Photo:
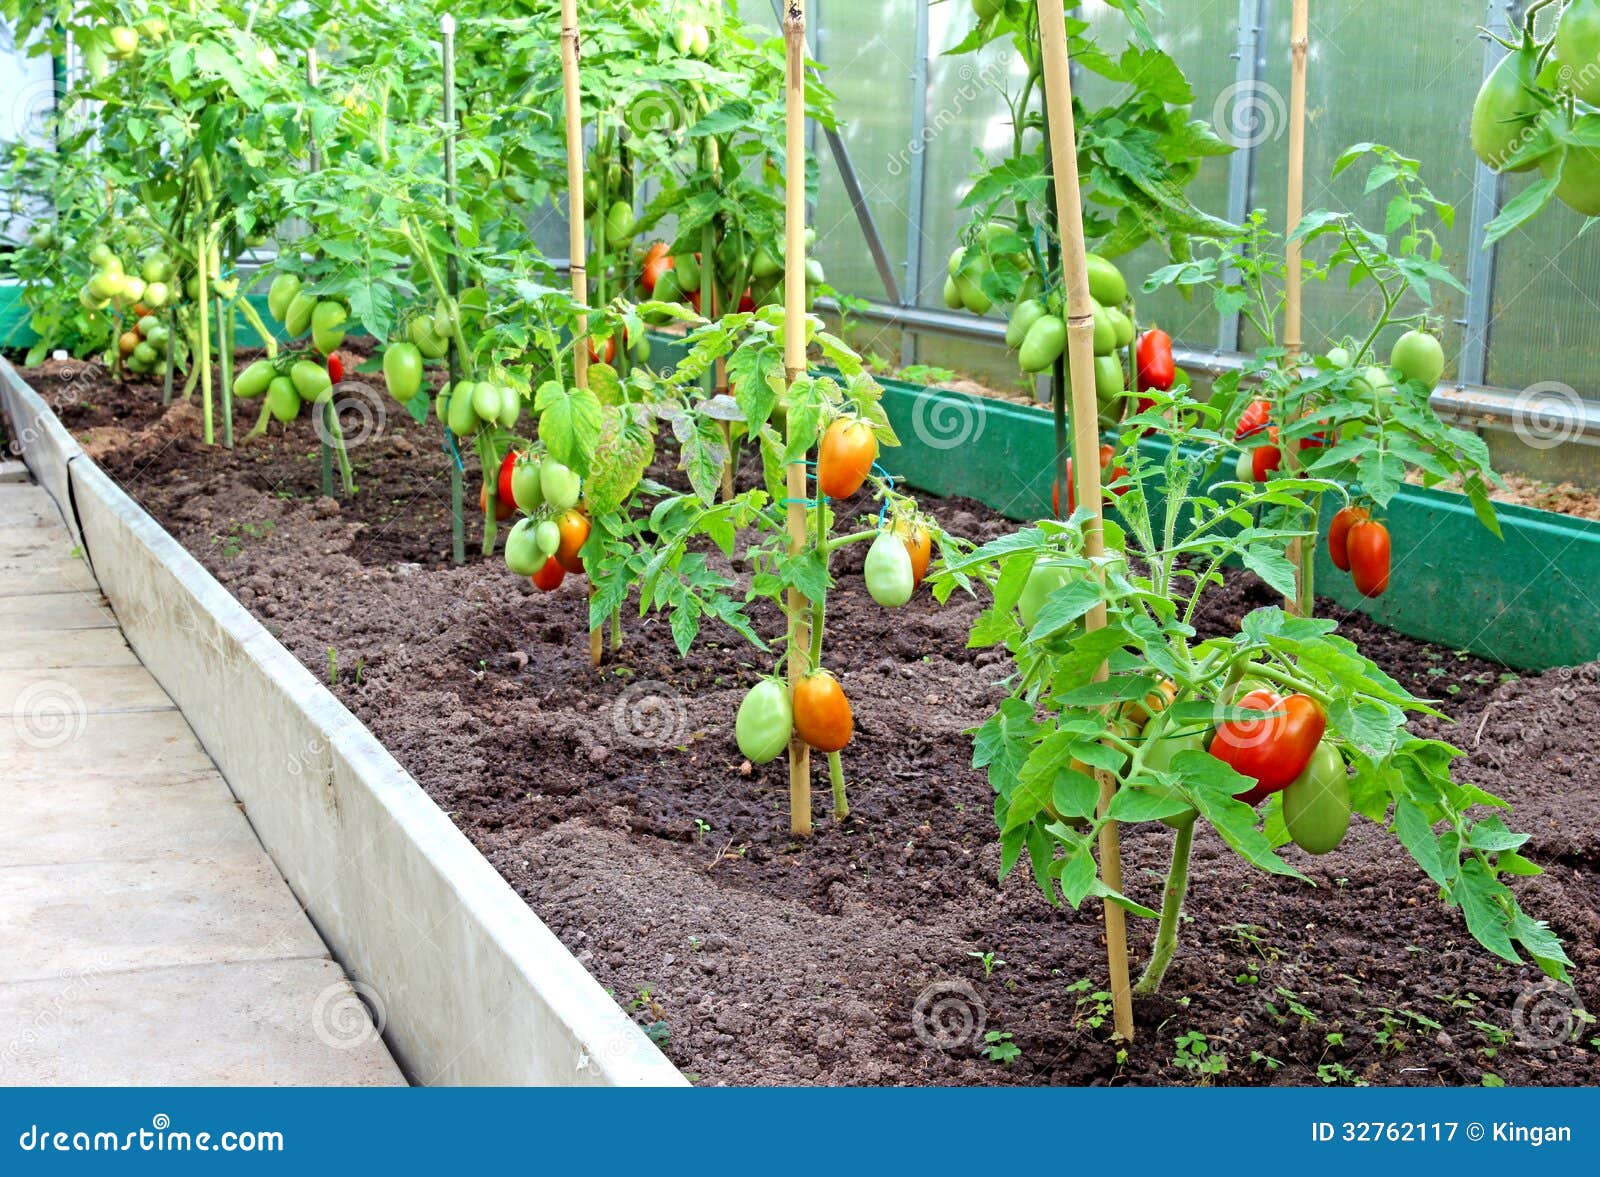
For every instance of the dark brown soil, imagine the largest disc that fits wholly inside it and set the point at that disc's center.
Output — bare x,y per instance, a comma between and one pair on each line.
616,803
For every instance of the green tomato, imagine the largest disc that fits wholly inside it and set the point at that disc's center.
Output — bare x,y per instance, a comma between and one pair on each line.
523,555
255,379
297,318
1505,113
311,381
1374,380
510,407
764,265
460,416
1244,467
526,490
486,400
1579,187
88,300
952,295
1578,49
547,537
132,288
1339,357
1043,344
1106,283
815,275
688,271
972,296
559,484
157,336
1108,379
1025,315
619,223
145,354
1105,331
1316,804
283,400
327,326
702,41
668,288
984,9
1121,326
281,293
157,295
765,723
1418,356
124,42
420,332
147,324
100,255
402,371
105,284
889,576
1158,758
156,268
1044,578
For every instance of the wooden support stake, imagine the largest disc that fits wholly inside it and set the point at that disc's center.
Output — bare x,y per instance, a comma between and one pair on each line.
452,282
1299,552
1085,432
794,365
570,54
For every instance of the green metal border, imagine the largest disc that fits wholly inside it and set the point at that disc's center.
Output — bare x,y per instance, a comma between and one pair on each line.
1530,601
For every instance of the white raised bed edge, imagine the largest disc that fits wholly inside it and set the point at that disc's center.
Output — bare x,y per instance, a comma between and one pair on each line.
471,987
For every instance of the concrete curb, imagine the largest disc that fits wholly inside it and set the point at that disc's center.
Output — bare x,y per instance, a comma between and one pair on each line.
470,986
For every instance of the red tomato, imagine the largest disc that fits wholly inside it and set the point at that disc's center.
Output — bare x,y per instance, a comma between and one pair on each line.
1254,419
611,351
550,576
747,302
1154,356
335,367
1339,534
694,300
657,261
574,525
1368,550
845,458
1264,460
1107,476
502,486
1271,751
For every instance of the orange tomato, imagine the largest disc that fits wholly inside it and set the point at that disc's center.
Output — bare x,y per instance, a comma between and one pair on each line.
574,525
844,460
919,546
822,713
611,351
657,261
549,577
127,341
502,507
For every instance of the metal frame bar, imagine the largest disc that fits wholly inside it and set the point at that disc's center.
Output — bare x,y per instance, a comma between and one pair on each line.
1249,62
1487,192
911,293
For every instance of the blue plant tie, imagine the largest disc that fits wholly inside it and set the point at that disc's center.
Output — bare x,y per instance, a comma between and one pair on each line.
806,503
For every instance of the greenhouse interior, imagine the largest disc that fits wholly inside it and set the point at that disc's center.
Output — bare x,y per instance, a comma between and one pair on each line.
773,544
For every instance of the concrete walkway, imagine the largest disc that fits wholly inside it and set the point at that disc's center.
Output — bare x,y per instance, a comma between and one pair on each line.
145,936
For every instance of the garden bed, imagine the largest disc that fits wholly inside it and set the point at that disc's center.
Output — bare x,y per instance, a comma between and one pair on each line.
616,804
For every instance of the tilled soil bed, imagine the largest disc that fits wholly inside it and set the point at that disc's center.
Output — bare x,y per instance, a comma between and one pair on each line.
617,804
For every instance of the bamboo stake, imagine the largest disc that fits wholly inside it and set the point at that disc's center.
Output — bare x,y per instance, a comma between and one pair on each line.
1299,45
452,283
1085,433
314,164
794,366
570,53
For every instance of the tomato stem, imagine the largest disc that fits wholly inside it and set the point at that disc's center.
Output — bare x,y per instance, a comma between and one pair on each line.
1172,897
841,803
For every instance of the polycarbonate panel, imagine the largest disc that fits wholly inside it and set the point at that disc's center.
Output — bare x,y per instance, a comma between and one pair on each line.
1201,37
868,52
1368,81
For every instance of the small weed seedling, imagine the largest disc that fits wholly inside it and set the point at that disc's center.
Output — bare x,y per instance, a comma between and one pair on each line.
989,961
1000,1048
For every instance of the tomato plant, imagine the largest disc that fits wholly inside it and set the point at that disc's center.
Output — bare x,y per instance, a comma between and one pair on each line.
1296,720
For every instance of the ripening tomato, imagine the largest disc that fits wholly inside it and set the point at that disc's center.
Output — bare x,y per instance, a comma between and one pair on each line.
1108,476
1155,366
335,367
502,486
611,351
550,576
919,546
822,713
574,525
502,507
1339,535
657,261
747,303
1368,549
1271,751
1254,419
845,458
765,722
1264,460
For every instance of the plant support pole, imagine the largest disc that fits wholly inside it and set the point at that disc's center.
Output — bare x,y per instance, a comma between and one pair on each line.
794,367
1300,552
447,54
314,164
1085,436
575,244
